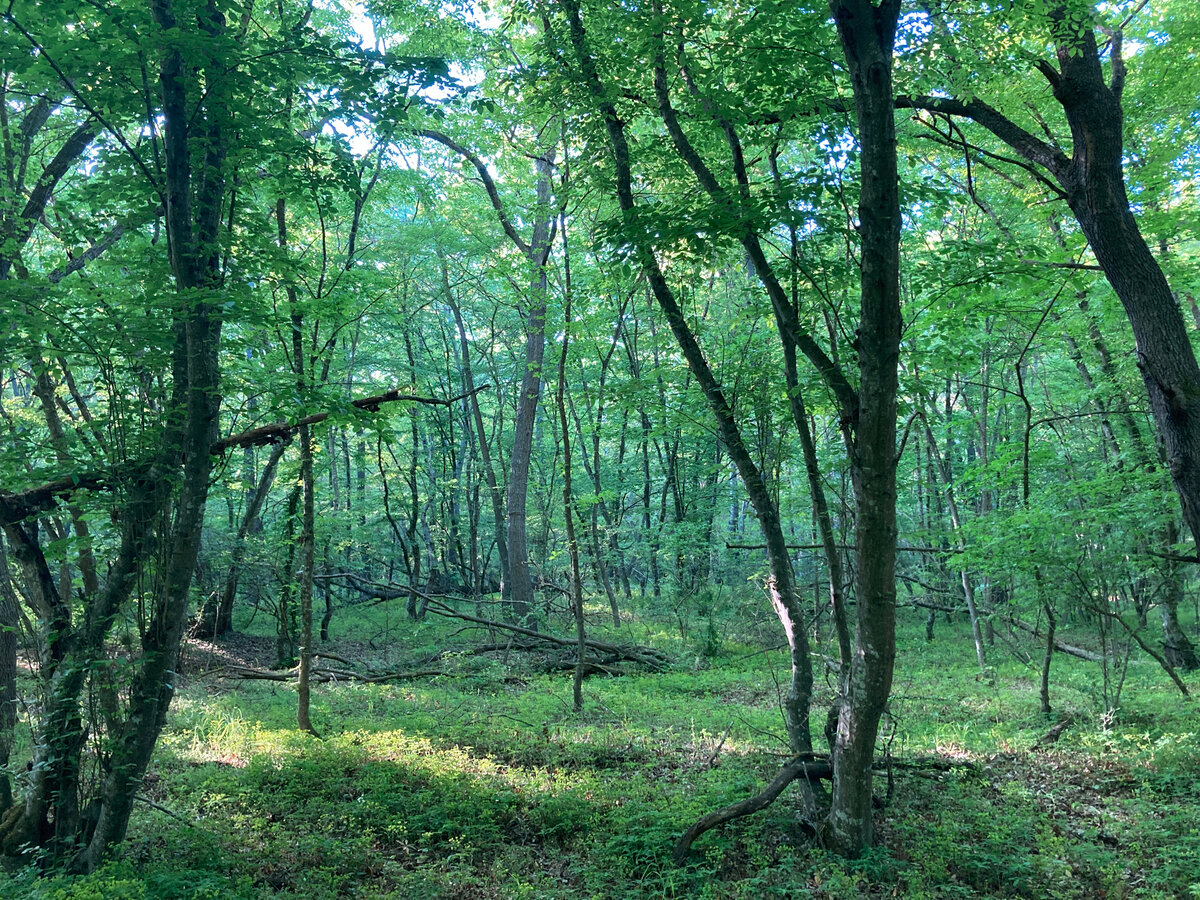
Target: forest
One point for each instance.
(529, 449)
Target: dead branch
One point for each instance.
(277, 431)
(1053, 734)
(655, 660)
(23, 504)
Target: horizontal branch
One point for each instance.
(278, 431)
(1083, 267)
(901, 548)
(15, 507)
(20, 505)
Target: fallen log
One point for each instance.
(653, 659)
(1053, 734)
(1077, 652)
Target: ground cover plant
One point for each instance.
(484, 782)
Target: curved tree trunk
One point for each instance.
(1092, 181)
(780, 582)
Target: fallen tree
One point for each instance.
(323, 674)
(652, 659)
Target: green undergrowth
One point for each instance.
(482, 782)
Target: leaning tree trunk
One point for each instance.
(1092, 181)
(780, 581)
(216, 616)
(867, 34)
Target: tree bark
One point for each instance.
(519, 592)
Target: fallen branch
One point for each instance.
(24, 504)
(1077, 652)
(655, 660)
(325, 676)
(162, 809)
(647, 656)
(1053, 734)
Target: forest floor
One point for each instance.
(481, 782)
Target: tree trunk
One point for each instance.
(780, 582)
(519, 589)
(494, 495)
(1092, 182)
(568, 497)
(867, 35)
(1177, 649)
(9, 622)
(217, 619)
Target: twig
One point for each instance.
(164, 810)
(721, 743)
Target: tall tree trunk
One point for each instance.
(519, 590)
(9, 623)
(193, 207)
(308, 516)
(868, 35)
(476, 418)
(943, 468)
(568, 497)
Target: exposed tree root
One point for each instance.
(809, 766)
(806, 766)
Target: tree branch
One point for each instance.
(489, 183)
(1029, 146)
(14, 507)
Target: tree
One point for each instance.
(1091, 180)
(175, 477)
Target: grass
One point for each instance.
(483, 783)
